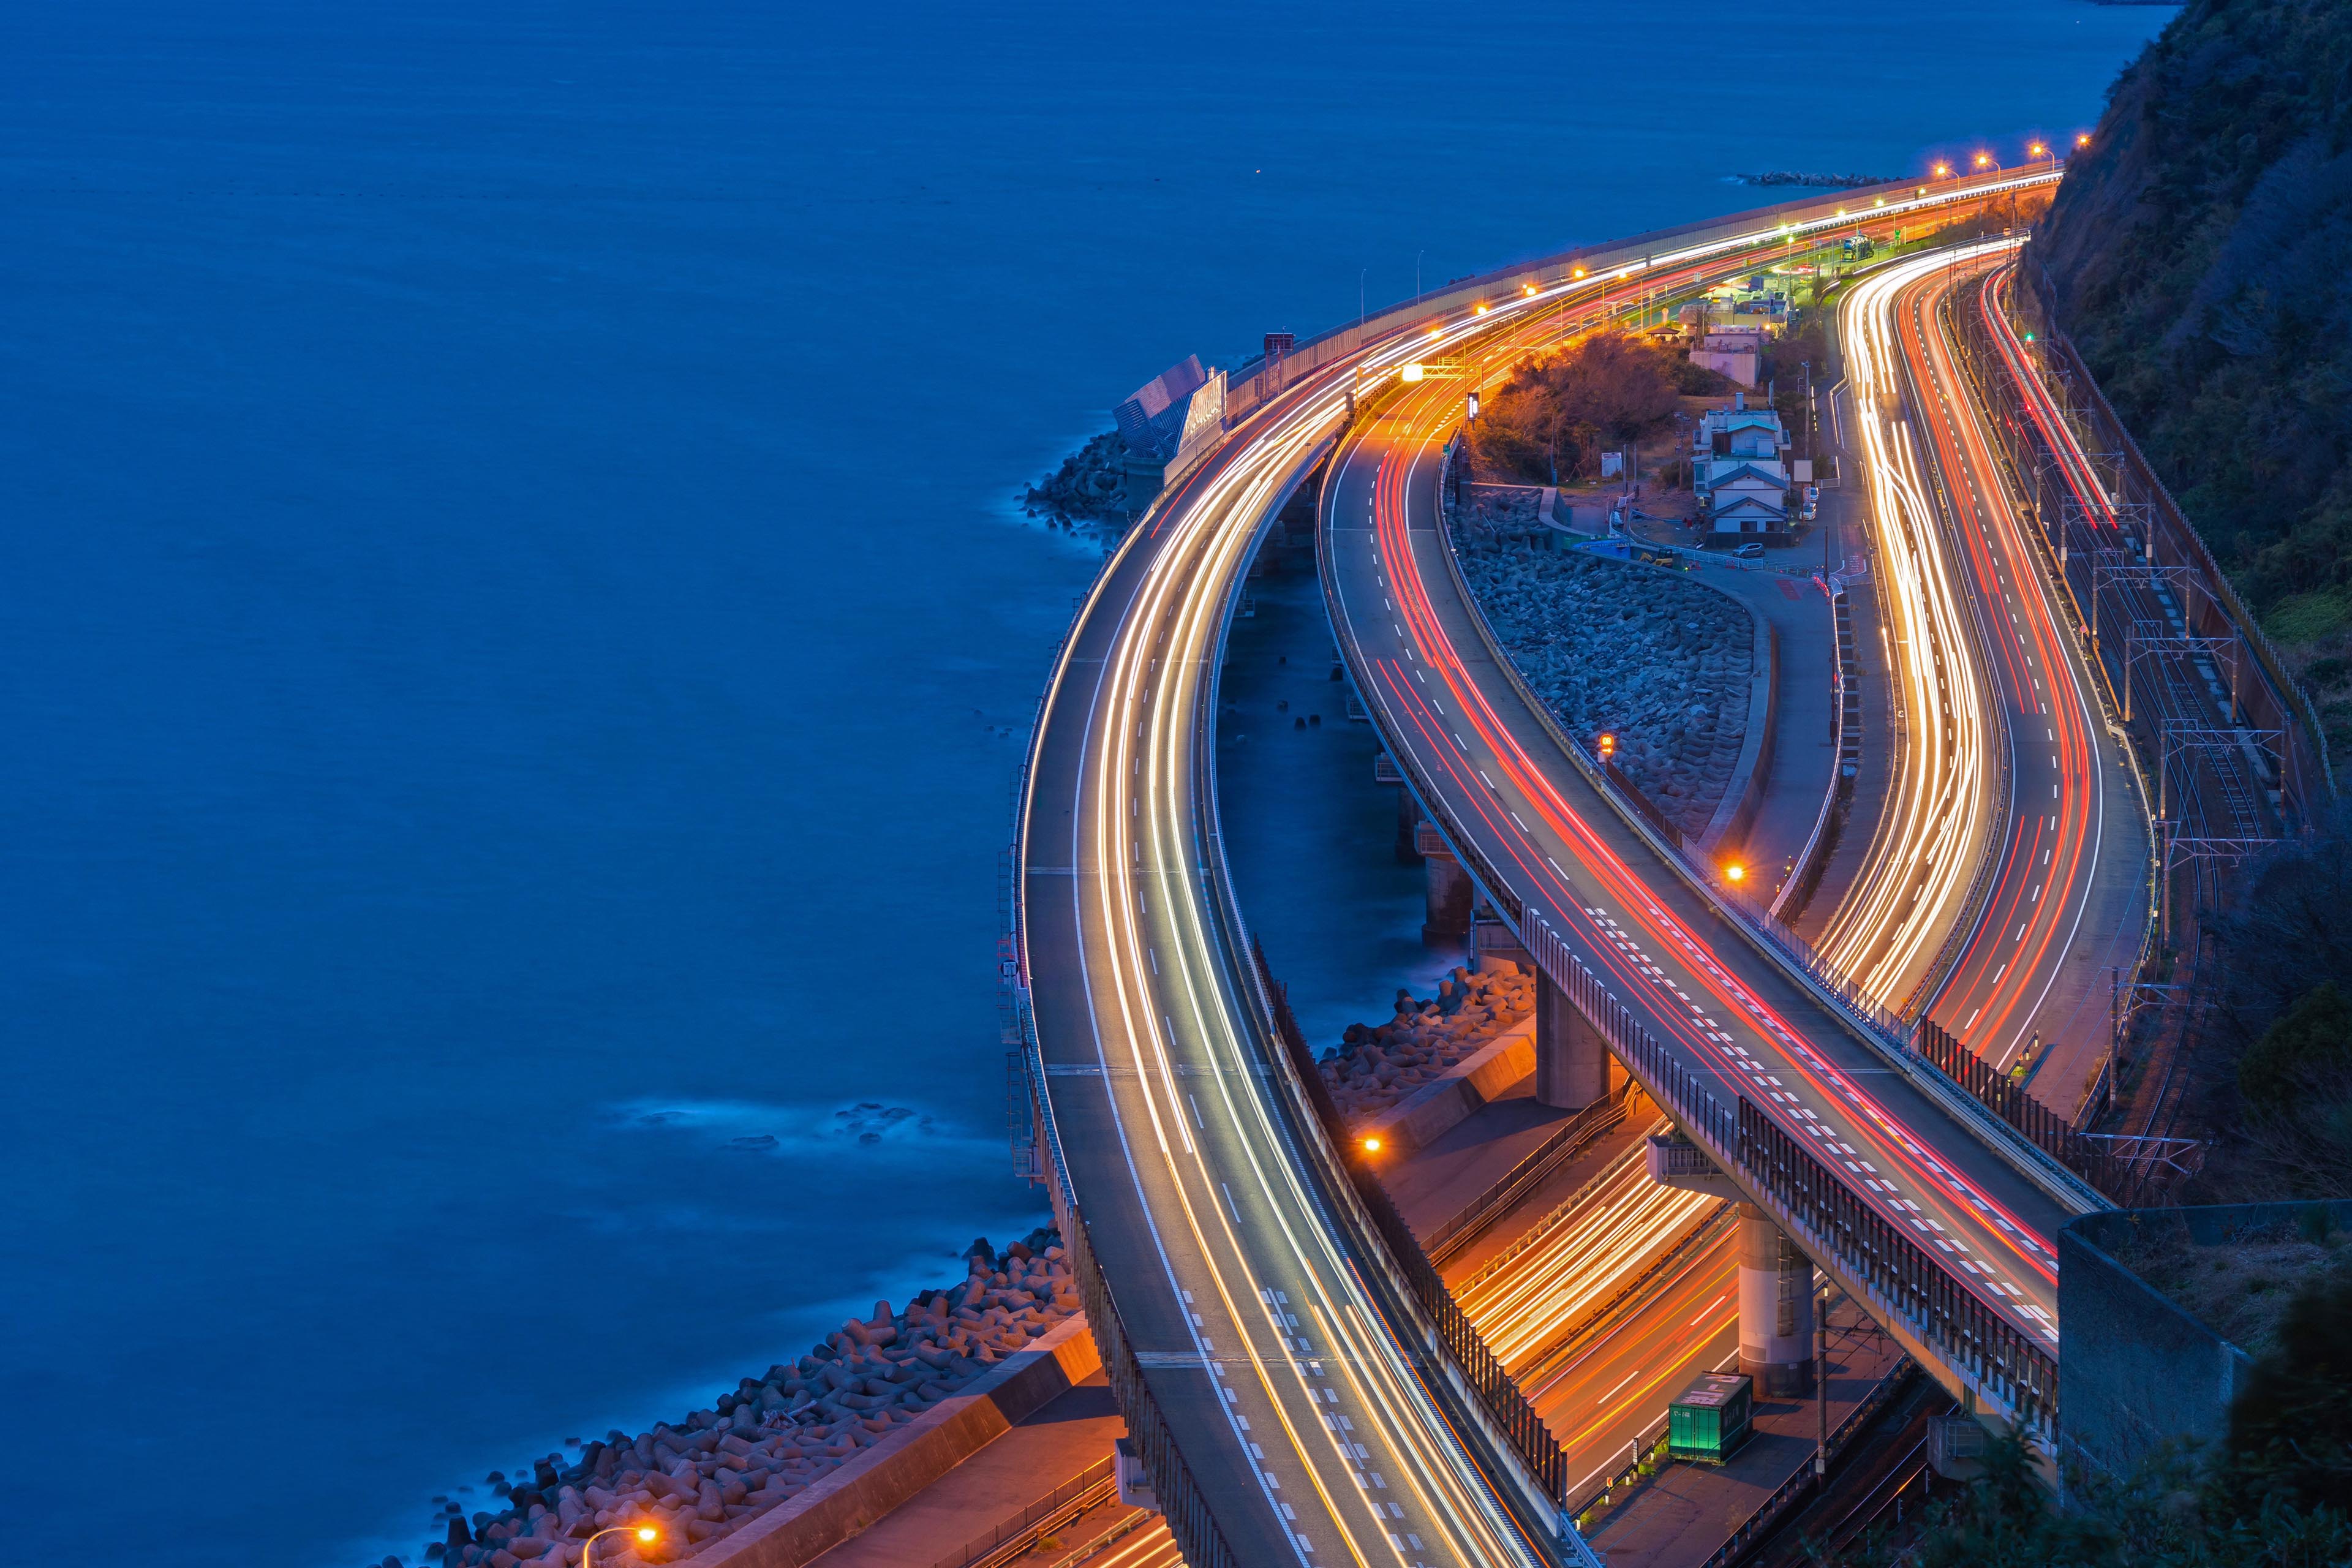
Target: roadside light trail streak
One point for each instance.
(2049, 880)
(1290, 1378)
(1938, 821)
(1792, 1083)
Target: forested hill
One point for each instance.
(2202, 250)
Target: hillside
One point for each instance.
(2199, 249)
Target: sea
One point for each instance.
(517, 635)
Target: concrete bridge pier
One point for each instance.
(1573, 1067)
(1451, 891)
(1776, 1309)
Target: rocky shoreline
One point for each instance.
(1659, 660)
(700, 1480)
(1374, 1067)
(1089, 486)
(1828, 181)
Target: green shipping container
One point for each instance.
(1710, 1422)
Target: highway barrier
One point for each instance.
(1563, 1143)
(1902, 1284)
(1536, 1445)
(1887, 1032)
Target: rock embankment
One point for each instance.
(1374, 1067)
(702, 1478)
(1656, 658)
(1089, 486)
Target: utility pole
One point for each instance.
(1821, 1385)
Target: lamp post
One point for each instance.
(1416, 275)
(1359, 300)
(642, 1532)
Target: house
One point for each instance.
(1739, 469)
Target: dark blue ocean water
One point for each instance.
(512, 636)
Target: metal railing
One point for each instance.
(1897, 1280)
(1497, 1390)
(1094, 1484)
(1564, 1144)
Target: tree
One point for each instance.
(2310, 1044)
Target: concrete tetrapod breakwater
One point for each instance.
(1375, 1067)
(1662, 661)
(792, 1433)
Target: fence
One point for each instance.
(1090, 1486)
(1180, 1500)
(1563, 1143)
(2094, 1162)
(1898, 1280)
(1501, 1397)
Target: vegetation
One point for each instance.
(2283, 1036)
(2197, 249)
(2277, 1493)
(1558, 411)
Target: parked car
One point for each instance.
(1751, 551)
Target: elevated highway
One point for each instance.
(1900, 1186)
(1289, 1397)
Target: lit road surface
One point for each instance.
(1723, 1010)
(2068, 898)
(1616, 1387)
(1525, 1303)
(1892, 932)
(1264, 1326)
(1302, 1430)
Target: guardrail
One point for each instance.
(1494, 1419)
(1564, 1144)
(1090, 1486)
(1885, 1032)
(1900, 1282)
(1533, 1440)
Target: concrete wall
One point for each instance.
(912, 1457)
(1737, 813)
(2134, 1369)
(1430, 1111)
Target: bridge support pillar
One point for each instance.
(1450, 893)
(1573, 1067)
(1776, 1309)
(1408, 849)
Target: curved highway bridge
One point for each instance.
(1289, 1397)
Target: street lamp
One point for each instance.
(645, 1532)
(1984, 161)
(1943, 171)
(1372, 1145)
(2037, 151)
(1736, 872)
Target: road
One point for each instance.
(2067, 899)
(1891, 932)
(1296, 1425)
(1726, 1013)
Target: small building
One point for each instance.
(1739, 472)
(1734, 352)
(1710, 1422)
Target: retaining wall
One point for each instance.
(912, 1457)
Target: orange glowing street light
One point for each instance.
(1372, 1145)
(2083, 140)
(2038, 150)
(645, 1532)
(1984, 160)
(1943, 171)
(1608, 747)
(1736, 872)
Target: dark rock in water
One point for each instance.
(981, 1250)
(546, 1475)
(458, 1534)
